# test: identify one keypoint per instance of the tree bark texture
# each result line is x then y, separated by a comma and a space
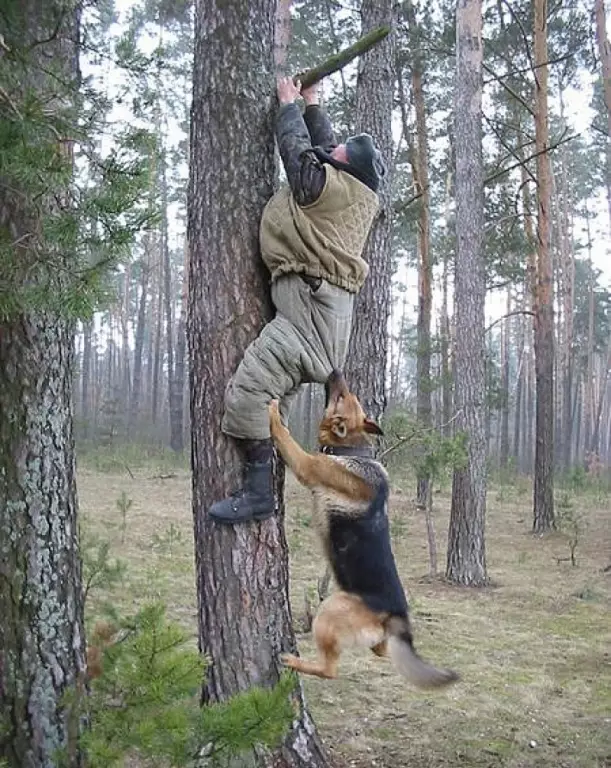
466, 561
242, 571
41, 604
368, 349
543, 518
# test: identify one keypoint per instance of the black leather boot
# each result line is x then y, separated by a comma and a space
255, 500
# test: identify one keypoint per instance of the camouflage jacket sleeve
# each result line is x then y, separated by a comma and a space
319, 127
305, 172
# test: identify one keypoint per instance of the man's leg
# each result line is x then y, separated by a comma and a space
269, 370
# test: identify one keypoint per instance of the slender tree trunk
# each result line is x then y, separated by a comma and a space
588, 394
504, 433
446, 371
368, 349
136, 392
518, 413
157, 324
85, 378
125, 367
242, 571
420, 173
178, 380
466, 561
174, 406
595, 446
41, 605
543, 517
604, 51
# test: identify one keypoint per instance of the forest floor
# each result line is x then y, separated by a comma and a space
533, 649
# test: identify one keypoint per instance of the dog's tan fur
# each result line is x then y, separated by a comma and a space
344, 486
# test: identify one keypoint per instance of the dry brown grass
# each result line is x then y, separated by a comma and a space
534, 650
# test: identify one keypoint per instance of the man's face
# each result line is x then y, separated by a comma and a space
340, 154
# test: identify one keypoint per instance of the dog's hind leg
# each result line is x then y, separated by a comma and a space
326, 664
328, 646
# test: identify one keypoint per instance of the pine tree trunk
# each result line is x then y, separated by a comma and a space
588, 399
157, 325
125, 371
174, 407
517, 422
85, 378
595, 446
368, 349
604, 52
466, 561
134, 408
178, 380
504, 436
543, 516
446, 370
41, 605
420, 172
242, 571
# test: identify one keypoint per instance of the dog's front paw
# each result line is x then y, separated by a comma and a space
289, 660
275, 422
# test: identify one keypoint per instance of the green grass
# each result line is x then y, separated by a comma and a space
534, 651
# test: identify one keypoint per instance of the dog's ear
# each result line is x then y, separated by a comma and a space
338, 427
371, 427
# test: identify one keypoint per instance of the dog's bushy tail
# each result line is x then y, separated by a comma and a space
407, 661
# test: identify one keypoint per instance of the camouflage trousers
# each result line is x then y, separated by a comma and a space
307, 338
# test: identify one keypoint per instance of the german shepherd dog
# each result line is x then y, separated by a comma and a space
350, 491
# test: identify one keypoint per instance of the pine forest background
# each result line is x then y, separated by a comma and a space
131, 367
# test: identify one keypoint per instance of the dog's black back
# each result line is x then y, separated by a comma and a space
361, 557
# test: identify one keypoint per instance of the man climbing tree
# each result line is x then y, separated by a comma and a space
312, 235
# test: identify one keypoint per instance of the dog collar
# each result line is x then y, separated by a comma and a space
348, 450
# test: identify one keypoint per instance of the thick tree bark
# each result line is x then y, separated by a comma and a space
466, 561
543, 516
242, 571
368, 350
41, 605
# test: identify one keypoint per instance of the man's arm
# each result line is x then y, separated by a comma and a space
317, 120
305, 172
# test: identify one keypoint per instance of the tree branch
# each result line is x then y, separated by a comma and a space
510, 90
509, 314
340, 60
530, 157
404, 438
